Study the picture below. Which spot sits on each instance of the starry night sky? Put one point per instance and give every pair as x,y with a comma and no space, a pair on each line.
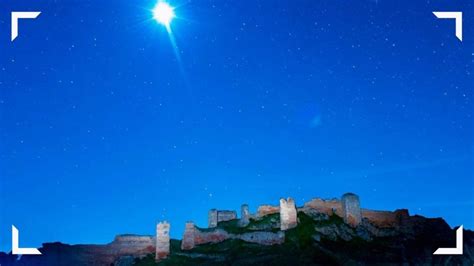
104,130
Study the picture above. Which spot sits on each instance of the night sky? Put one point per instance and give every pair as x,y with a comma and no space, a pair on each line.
105,129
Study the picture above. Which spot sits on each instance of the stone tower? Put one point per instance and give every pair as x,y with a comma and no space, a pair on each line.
162,240
351,209
288,216
188,238
244,215
212,218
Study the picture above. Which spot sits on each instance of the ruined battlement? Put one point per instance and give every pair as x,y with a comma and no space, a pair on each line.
264,210
288,215
351,209
162,240
270,225
217,216
187,242
386,219
244,215
347,207
329,207
130,238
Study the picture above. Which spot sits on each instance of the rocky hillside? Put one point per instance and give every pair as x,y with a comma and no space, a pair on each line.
318,239
321,232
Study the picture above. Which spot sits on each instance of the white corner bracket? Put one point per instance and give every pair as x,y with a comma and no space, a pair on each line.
16,250
21,15
457,16
458,250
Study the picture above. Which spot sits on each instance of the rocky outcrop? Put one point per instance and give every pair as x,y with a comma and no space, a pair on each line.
124,248
262,238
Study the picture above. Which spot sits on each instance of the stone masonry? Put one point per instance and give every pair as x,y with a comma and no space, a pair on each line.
188,238
162,240
264,210
288,216
212,218
216,216
351,209
244,215
348,208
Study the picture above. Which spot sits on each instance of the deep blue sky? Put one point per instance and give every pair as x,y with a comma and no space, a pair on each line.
103,131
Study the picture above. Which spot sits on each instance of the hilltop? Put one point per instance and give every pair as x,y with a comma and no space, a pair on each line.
321,232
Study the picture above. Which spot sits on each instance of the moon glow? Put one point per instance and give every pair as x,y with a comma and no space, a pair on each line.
163,13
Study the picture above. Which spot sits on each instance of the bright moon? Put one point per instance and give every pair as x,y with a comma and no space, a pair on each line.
163,13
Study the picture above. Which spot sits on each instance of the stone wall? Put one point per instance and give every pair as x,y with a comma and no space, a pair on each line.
133,244
288,217
162,240
214,236
266,210
193,236
216,216
212,218
351,209
188,237
328,207
223,216
244,215
136,246
386,219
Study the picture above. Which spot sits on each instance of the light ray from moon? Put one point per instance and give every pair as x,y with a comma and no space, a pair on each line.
163,13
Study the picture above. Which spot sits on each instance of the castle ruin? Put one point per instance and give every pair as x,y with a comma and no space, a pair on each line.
188,237
217,216
162,240
244,215
351,209
288,218
347,207
264,210
268,226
